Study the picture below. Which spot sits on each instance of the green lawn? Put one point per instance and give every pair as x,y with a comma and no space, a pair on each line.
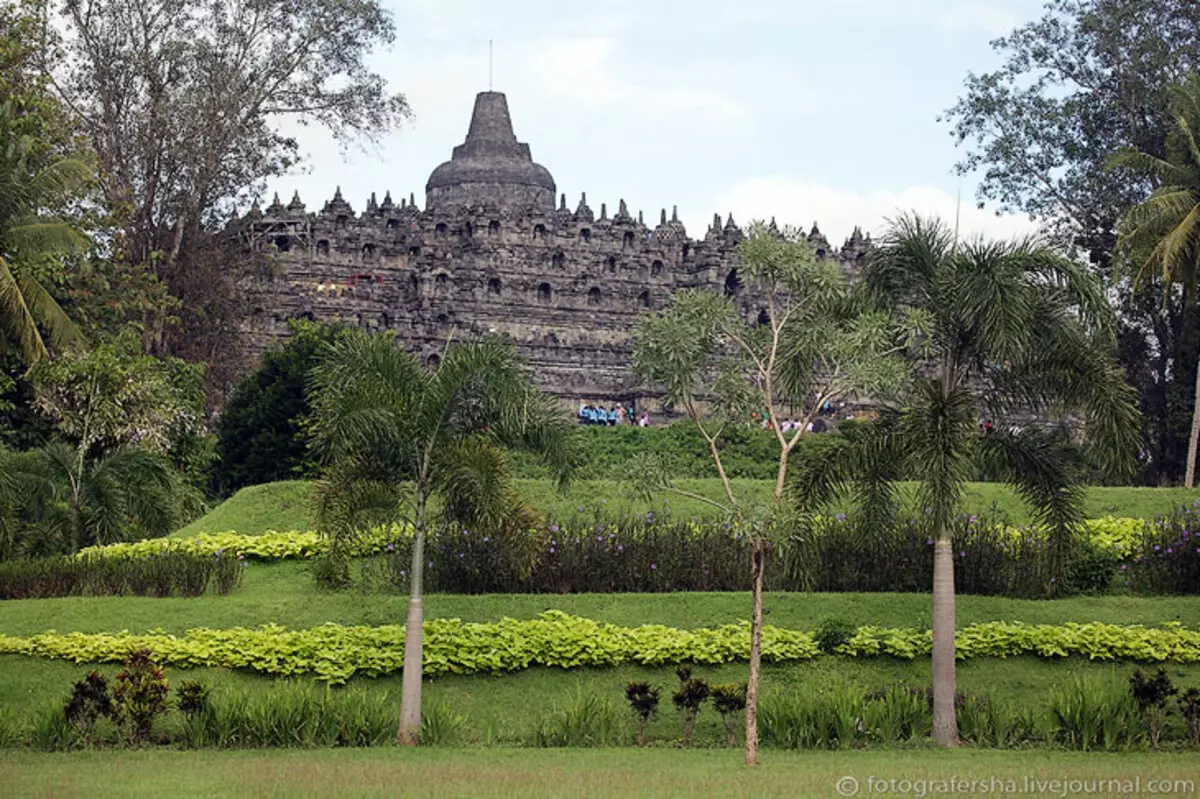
445,773
284,506
284,593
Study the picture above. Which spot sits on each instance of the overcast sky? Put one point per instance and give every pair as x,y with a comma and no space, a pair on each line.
805,110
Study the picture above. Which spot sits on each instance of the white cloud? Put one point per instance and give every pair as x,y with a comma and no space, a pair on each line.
837,212
990,19
582,70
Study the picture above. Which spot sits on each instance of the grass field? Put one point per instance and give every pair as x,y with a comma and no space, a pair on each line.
284,506
592,773
284,592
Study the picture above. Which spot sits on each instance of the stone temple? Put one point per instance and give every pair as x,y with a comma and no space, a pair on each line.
490,253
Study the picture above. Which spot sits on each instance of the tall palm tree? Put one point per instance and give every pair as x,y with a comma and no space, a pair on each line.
381,422
999,329
29,234
1163,232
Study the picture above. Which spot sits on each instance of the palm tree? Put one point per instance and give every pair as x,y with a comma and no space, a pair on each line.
999,329
382,423
1163,232
28,235
51,502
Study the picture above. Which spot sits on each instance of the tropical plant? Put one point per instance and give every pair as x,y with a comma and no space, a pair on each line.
1163,231
998,329
807,339
30,235
381,422
643,701
140,695
688,698
88,703
729,700
1151,695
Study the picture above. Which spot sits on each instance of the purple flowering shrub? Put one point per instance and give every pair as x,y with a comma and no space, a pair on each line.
1166,558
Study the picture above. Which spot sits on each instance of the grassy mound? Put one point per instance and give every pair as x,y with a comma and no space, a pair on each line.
285,505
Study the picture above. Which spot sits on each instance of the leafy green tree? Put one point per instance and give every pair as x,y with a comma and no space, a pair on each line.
260,436
1003,329
182,102
119,409
395,435
1163,231
1088,78
815,341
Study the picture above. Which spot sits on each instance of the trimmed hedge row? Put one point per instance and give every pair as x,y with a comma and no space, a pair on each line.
335,653
271,545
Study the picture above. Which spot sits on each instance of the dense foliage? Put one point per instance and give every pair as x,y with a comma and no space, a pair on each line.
174,573
260,433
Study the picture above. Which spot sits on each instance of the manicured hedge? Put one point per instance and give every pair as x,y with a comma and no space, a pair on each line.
335,653
271,545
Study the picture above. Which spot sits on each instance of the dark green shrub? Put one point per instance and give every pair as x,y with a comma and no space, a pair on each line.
688,699
140,695
169,573
1166,559
1189,706
584,719
227,571
89,701
729,700
191,697
260,434
331,571
832,633
1151,695
643,700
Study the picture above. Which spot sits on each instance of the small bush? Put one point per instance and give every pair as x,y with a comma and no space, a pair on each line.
832,633
1189,706
1151,695
1092,713
140,695
169,572
688,699
729,700
643,700
441,725
191,697
89,701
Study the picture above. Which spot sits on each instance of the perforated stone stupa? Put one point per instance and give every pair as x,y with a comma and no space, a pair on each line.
491,254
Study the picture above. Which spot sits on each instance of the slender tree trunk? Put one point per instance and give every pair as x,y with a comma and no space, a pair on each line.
757,558
1190,471
409,733
781,474
945,721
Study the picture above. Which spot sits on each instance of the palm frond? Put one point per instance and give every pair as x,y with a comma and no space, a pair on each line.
472,477
40,236
1160,169
1045,470
17,324
62,331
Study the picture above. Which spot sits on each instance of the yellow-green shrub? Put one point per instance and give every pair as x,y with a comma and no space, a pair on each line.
335,653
